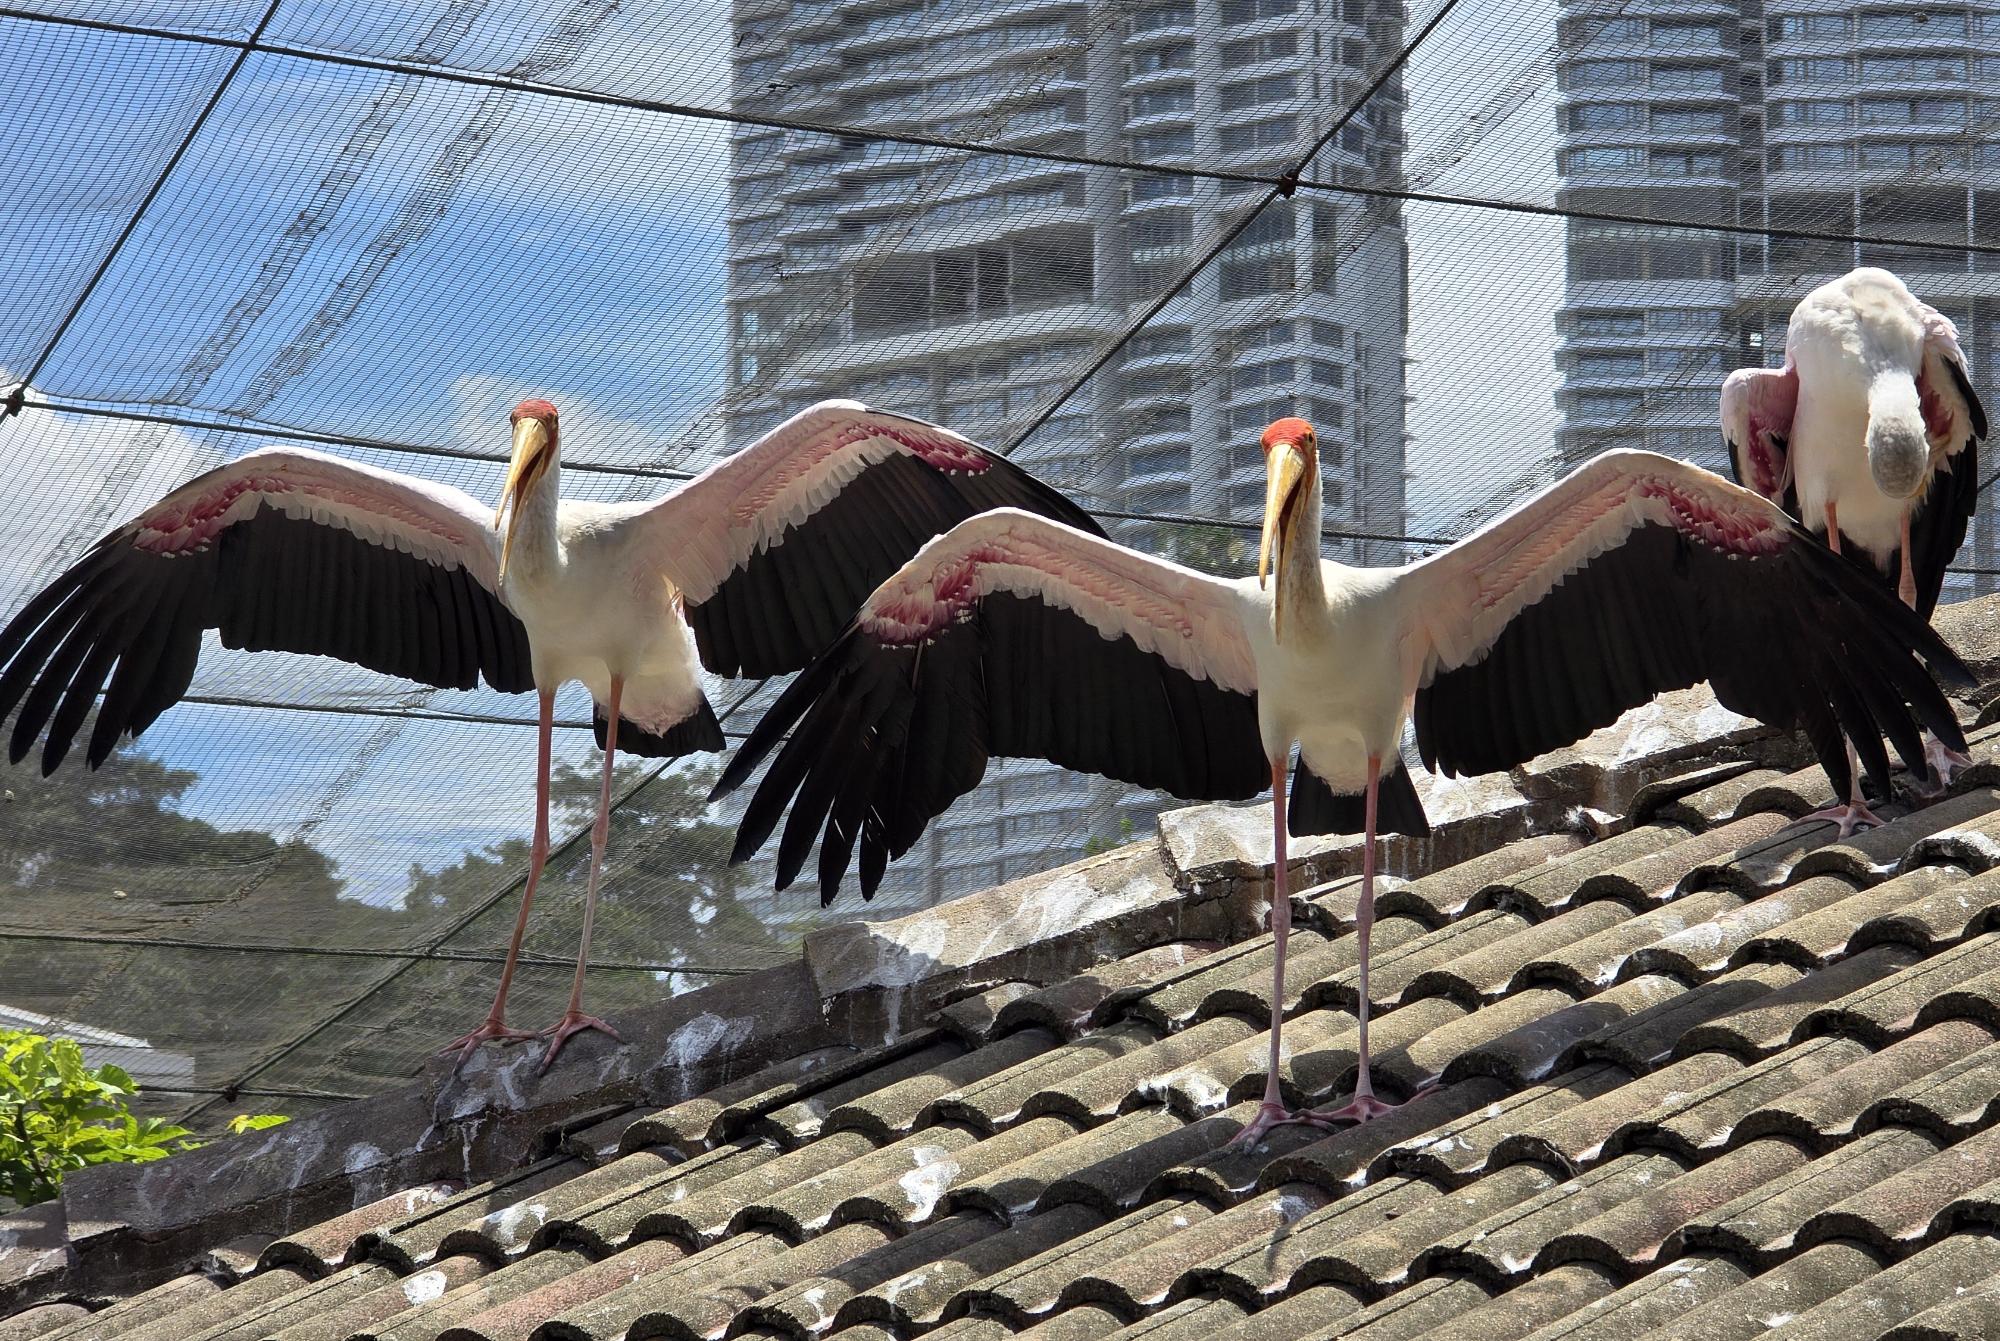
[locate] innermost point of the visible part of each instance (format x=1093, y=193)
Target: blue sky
x=571, y=251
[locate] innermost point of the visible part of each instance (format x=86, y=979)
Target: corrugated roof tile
x=1485, y=974
x=1316, y=1312
x=424, y=1319
x=1877, y=1012
x=1384, y=1257
x=1871, y=855
x=1443, y=895
x=1864, y=1311
x=1772, y=1022
x=1954, y=910
x=1627, y=1238
x=1897, y=1211
x=1551, y=887
x=1504, y=1247
x=1726, y=800
x=1555, y=1293
x=33, y=1324
x=610, y=1221
x=1457, y=1151
x=1333, y=1162
x=1576, y=1136
x=1028, y=1291
x=148, y=1306
x=1678, y=1289
x=1595, y=962
x=914, y=1196
x=1814, y=937
x=1973, y=1313
x=1147, y=1276
x=310, y=1317
x=267, y=1289
x=1762, y=1225
x=1415, y=1313
x=1068, y=1007
x=1667, y=1014
x=610, y=1313
x=917, y=1298
x=997, y=1100
x=1013, y=1190
x=1698, y=952
x=1955, y=1100
x=1828, y=1109
x=514, y=1318
x=1692, y=1124
x=694, y=1124
x=895, y=1109
x=804, y=1206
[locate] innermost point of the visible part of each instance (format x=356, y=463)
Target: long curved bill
x=1286, y=465
x=531, y=458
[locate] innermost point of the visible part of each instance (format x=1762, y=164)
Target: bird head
x=534, y=423
x=1291, y=459
x=1899, y=450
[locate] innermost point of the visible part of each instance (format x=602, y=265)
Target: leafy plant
x=243, y=1122
x=57, y=1115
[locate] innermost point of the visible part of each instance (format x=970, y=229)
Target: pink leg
x=1853, y=815
x=574, y=1020
x=1943, y=760
x=1906, y=586
x=538, y=856
x=1272, y=1112
x=1364, y=1105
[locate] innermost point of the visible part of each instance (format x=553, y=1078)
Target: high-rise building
x=970, y=287
x=1862, y=120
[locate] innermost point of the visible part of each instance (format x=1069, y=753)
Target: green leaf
x=243, y=1122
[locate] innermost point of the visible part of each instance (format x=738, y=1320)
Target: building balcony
x=937, y=338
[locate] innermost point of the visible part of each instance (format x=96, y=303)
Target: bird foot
x=1945, y=764
x=494, y=1027
x=1270, y=1115
x=1364, y=1108
x=559, y=1033
x=1851, y=816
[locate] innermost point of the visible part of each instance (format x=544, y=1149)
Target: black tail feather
x=699, y=731
x=1315, y=808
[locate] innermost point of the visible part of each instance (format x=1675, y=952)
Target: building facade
x=971, y=287
x=1800, y=116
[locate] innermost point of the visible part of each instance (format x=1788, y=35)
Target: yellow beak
x=531, y=459
x=1287, y=466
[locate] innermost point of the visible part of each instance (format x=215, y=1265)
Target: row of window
x=1637, y=116
x=1909, y=25
x=1581, y=32
x=1881, y=69
x=1882, y=112
x=1627, y=324
x=1887, y=154
x=1653, y=162
x=1619, y=74
x=1632, y=364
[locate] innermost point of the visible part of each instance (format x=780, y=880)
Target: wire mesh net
x=1473, y=240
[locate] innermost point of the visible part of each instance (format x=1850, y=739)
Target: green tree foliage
x=58, y=1115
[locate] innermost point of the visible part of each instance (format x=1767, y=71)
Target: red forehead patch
x=1287, y=430
x=534, y=409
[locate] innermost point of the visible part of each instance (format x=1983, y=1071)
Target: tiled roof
x=1707, y=1075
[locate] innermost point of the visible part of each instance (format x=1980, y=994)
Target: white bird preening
x=1014, y=635
x=1869, y=434
x=752, y=567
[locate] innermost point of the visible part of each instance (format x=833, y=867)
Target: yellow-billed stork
x=1017, y=635
x=1869, y=434
x=752, y=567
